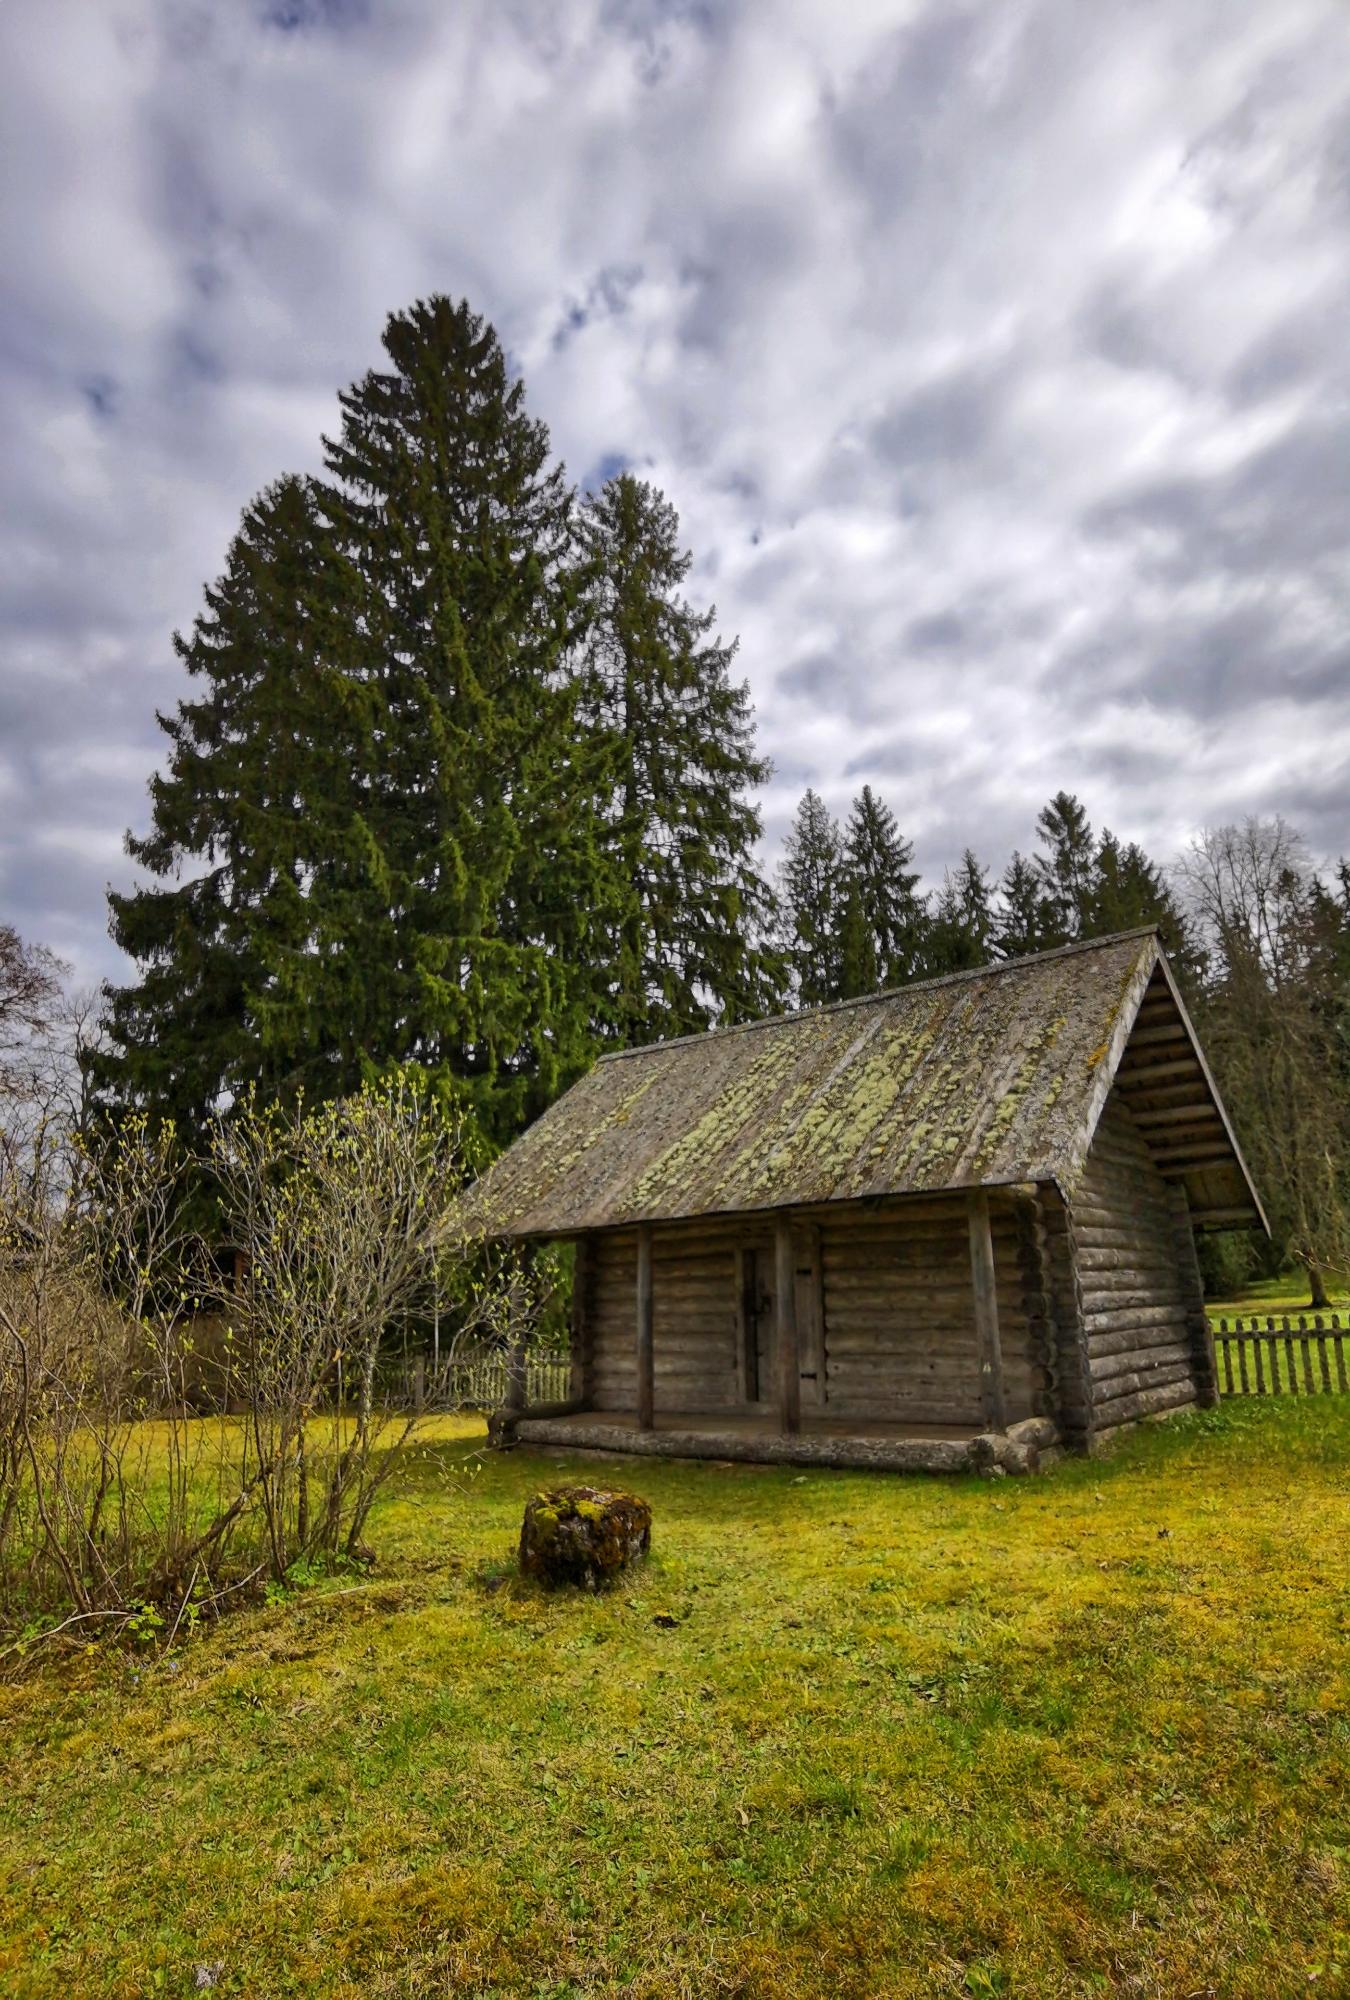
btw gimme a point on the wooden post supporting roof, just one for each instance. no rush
(985, 1291)
(785, 1316)
(646, 1399)
(747, 1374)
(583, 1324)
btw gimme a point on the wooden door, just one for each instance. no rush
(755, 1322)
(757, 1325)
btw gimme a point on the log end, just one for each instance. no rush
(1029, 1446)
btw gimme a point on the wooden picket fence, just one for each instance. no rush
(478, 1380)
(1290, 1354)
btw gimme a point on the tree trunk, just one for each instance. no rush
(1318, 1287)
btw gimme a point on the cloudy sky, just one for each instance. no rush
(996, 357)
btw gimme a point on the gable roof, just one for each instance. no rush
(983, 1078)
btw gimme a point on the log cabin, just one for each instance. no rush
(945, 1227)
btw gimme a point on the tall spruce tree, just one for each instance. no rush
(813, 897)
(961, 936)
(381, 832)
(859, 972)
(1067, 869)
(1080, 886)
(692, 947)
(1024, 921)
(1128, 890)
(880, 890)
(492, 893)
(249, 800)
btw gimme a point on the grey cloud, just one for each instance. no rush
(994, 358)
(751, 244)
(1129, 766)
(941, 633)
(1129, 327)
(826, 688)
(879, 132)
(1291, 353)
(1285, 507)
(899, 757)
(814, 678)
(1319, 813)
(946, 423)
(1226, 661)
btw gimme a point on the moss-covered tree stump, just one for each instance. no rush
(581, 1536)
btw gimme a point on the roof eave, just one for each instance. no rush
(1152, 958)
(1213, 1090)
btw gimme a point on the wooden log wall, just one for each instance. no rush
(1065, 1331)
(900, 1334)
(1193, 1286)
(1133, 1282)
(695, 1363)
(885, 1310)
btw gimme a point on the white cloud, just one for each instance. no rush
(993, 355)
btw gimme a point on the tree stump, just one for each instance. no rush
(578, 1535)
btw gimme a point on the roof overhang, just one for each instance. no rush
(1157, 1066)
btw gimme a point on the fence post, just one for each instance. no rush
(1323, 1360)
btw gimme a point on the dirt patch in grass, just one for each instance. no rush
(1080, 1735)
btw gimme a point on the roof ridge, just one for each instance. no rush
(996, 965)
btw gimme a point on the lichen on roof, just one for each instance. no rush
(981, 1078)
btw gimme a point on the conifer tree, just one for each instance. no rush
(691, 946)
(1129, 890)
(881, 882)
(961, 936)
(243, 820)
(1025, 922)
(858, 969)
(812, 896)
(1067, 869)
(491, 892)
(380, 835)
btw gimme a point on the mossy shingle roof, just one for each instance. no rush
(984, 1078)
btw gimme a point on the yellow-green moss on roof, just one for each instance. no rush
(983, 1078)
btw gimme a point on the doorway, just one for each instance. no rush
(756, 1319)
(755, 1307)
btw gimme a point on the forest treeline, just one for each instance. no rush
(464, 780)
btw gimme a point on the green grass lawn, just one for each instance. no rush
(1287, 1293)
(846, 1735)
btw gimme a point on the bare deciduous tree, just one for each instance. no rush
(342, 1224)
(30, 997)
(1270, 1026)
(338, 1218)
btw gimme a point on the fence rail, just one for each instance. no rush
(1290, 1354)
(480, 1381)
